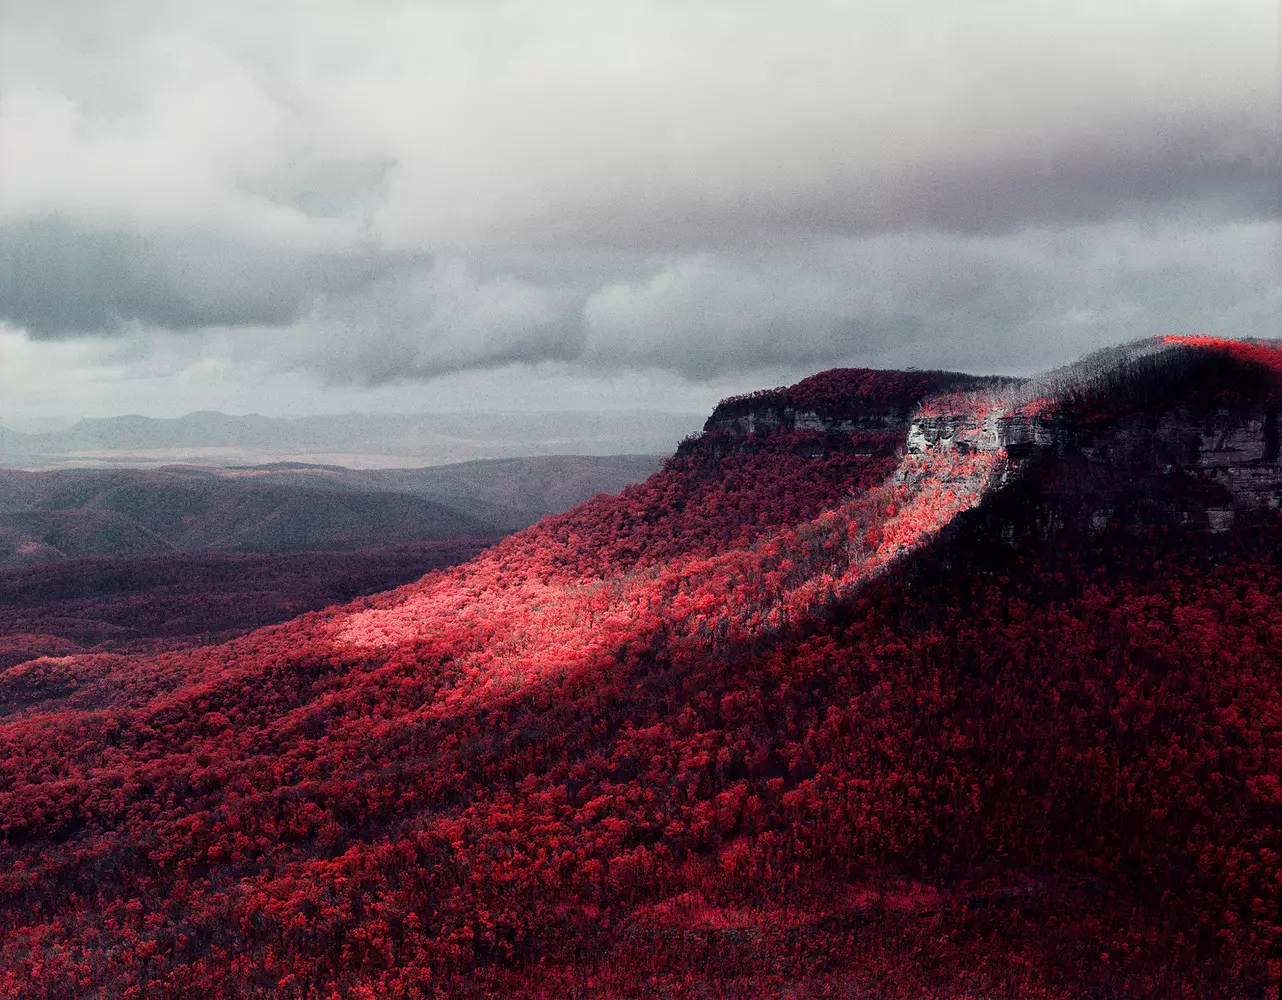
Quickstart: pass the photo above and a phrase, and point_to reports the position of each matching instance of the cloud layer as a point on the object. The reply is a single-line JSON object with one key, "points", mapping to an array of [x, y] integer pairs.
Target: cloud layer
{"points": [[374, 193]]}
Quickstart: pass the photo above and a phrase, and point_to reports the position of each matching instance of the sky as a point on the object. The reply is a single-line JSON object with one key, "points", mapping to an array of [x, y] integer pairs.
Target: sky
{"points": [[376, 205]]}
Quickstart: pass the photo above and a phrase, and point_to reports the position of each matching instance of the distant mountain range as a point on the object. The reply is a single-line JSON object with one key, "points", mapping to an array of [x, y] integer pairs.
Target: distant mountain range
{"points": [[361, 440], [54, 515]]}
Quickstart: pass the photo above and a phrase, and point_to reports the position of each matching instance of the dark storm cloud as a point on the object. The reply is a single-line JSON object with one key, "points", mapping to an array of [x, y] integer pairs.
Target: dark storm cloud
{"points": [[379, 193], [60, 277]]}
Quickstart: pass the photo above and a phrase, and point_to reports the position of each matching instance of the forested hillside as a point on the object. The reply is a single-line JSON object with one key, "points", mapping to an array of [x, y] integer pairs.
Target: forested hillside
{"points": [[888, 684]]}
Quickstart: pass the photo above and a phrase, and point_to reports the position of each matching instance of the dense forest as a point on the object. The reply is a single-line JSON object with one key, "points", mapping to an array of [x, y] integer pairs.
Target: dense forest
{"points": [[888, 684]]}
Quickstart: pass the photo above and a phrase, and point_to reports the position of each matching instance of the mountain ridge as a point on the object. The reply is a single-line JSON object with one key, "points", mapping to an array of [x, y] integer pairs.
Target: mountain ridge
{"points": [[79, 513]]}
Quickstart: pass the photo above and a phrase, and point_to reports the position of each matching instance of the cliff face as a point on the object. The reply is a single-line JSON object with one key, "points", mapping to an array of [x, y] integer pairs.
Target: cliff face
{"points": [[747, 420], [857, 410], [810, 433], [1190, 464]]}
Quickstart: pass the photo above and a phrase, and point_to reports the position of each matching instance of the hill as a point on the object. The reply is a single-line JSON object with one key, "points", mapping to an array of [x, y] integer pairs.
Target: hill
{"points": [[509, 493], [133, 560], [888, 684], [133, 513], [148, 604]]}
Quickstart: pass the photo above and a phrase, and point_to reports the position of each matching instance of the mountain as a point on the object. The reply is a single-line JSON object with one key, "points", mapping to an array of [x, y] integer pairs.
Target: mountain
{"points": [[364, 440], [129, 513], [887, 684]]}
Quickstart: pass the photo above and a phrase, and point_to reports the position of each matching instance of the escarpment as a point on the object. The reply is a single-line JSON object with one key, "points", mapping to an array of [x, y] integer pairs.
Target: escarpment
{"points": [[856, 410], [1169, 432]]}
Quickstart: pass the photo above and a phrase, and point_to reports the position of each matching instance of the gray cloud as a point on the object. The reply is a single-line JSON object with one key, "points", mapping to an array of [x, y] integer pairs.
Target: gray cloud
{"points": [[61, 277], [1226, 169], [367, 317], [420, 323], [1010, 302], [391, 192]]}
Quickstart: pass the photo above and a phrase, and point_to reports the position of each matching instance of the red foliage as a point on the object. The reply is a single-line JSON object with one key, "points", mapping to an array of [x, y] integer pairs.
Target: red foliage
{"points": [[844, 393], [713, 736], [1263, 358], [157, 603]]}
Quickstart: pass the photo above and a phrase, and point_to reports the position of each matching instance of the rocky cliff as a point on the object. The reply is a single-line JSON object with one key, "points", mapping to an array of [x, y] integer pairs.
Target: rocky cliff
{"points": [[1162, 432], [845, 409], [1197, 464]]}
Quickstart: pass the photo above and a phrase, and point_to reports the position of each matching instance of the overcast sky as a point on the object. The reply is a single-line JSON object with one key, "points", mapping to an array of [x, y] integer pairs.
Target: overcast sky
{"points": [[380, 205]]}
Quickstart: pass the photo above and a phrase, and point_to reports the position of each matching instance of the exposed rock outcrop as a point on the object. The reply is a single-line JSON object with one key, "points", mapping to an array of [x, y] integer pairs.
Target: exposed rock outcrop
{"points": [[1189, 464]]}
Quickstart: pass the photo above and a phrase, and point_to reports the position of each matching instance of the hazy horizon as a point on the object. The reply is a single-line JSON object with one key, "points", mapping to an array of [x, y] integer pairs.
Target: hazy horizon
{"points": [[358, 441], [55, 422]]}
